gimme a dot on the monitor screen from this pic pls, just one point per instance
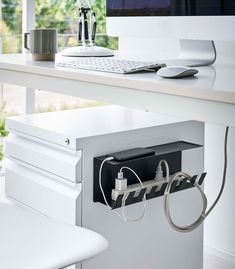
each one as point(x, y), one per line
point(170, 7)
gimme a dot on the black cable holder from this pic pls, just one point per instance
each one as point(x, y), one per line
point(145, 167)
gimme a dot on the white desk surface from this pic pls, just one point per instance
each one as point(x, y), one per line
point(210, 96)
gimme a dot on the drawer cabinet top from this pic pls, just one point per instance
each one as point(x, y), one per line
point(66, 128)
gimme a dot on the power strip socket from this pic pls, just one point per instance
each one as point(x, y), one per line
point(130, 188)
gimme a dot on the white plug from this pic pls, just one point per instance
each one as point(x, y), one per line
point(159, 173)
point(120, 182)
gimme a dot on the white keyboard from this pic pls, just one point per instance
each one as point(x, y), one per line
point(110, 64)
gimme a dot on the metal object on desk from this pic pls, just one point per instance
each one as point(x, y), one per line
point(87, 26)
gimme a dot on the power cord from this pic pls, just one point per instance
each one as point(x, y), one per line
point(100, 181)
point(126, 195)
point(123, 208)
point(204, 214)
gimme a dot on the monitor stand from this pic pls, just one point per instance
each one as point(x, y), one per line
point(195, 53)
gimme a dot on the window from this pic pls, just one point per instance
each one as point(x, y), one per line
point(11, 96)
point(10, 25)
point(63, 15)
point(60, 14)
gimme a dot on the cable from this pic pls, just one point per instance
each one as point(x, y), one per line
point(126, 195)
point(101, 188)
point(224, 172)
point(200, 219)
point(100, 182)
point(123, 215)
point(204, 214)
point(159, 171)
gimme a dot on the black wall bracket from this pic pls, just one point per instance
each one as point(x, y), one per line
point(145, 167)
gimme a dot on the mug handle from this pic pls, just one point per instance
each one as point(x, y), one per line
point(26, 41)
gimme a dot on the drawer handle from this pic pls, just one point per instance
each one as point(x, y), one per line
point(67, 141)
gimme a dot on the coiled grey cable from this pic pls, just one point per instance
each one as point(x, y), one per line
point(204, 214)
point(200, 219)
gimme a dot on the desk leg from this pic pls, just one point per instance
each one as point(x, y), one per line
point(28, 23)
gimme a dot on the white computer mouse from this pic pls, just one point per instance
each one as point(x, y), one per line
point(176, 72)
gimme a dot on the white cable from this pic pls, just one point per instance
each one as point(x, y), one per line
point(100, 182)
point(101, 188)
point(126, 195)
point(166, 167)
point(123, 215)
point(204, 214)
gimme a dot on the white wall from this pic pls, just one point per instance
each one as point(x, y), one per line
point(220, 225)
point(146, 48)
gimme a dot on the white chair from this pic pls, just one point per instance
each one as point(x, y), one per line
point(32, 241)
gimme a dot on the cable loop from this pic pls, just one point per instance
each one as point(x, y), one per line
point(204, 214)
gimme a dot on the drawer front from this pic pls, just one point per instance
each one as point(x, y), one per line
point(49, 197)
point(62, 163)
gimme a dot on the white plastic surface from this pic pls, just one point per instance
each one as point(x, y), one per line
point(83, 123)
point(150, 243)
point(212, 90)
point(215, 83)
point(187, 27)
point(61, 163)
point(30, 241)
point(83, 51)
point(176, 72)
point(43, 194)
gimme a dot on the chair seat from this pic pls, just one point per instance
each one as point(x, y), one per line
point(31, 241)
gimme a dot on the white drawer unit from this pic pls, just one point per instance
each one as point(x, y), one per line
point(49, 168)
point(46, 157)
point(43, 194)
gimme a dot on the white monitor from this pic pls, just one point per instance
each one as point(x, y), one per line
point(195, 22)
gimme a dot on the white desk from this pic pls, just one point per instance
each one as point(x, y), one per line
point(209, 97)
